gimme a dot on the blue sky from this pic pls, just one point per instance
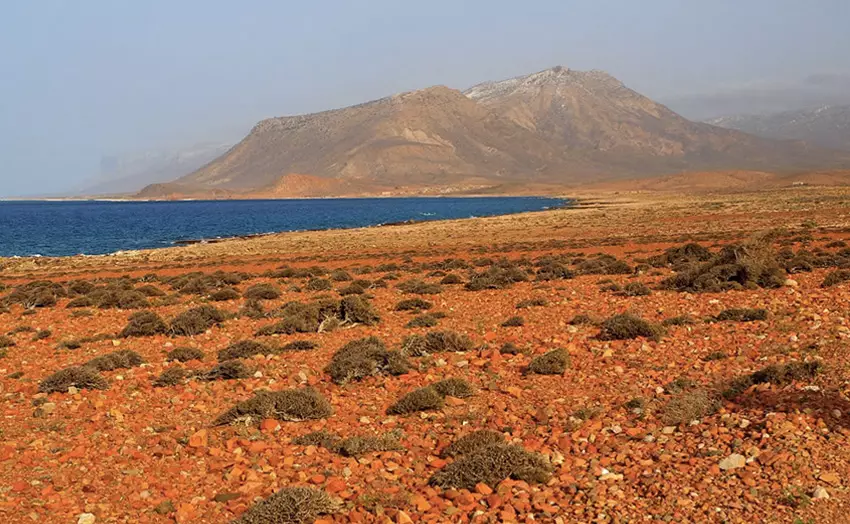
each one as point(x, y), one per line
point(84, 79)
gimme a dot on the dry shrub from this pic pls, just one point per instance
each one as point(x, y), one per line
point(170, 377)
point(688, 405)
point(352, 289)
point(419, 287)
point(79, 302)
point(491, 464)
point(6, 341)
point(422, 321)
point(318, 284)
point(554, 362)
point(320, 438)
point(244, 349)
point(121, 359)
point(299, 345)
point(741, 315)
point(414, 346)
point(352, 446)
point(472, 442)
point(635, 289)
point(224, 294)
point(496, 278)
point(340, 275)
point(451, 279)
point(290, 405)
point(119, 299)
point(144, 324)
point(253, 309)
point(357, 310)
point(196, 320)
point(78, 377)
point(36, 294)
point(514, 321)
point(682, 320)
point(149, 290)
point(227, 370)
point(604, 264)
point(41, 334)
point(413, 304)
point(363, 358)
point(293, 505)
point(447, 341)
point(532, 302)
point(836, 277)
point(679, 255)
point(626, 326)
point(262, 292)
point(185, 354)
point(554, 271)
point(509, 348)
point(784, 374)
point(422, 399)
point(454, 387)
point(80, 287)
point(321, 315)
point(583, 320)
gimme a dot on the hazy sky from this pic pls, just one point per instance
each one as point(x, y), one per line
point(79, 79)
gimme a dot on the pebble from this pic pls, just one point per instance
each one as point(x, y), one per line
point(791, 283)
point(86, 518)
point(820, 493)
point(733, 461)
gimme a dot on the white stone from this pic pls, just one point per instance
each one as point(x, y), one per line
point(820, 493)
point(733, 461)
point(86, 518)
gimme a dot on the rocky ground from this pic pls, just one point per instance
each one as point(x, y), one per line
point(702, 413)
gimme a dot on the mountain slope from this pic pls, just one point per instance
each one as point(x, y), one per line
point(827, 126)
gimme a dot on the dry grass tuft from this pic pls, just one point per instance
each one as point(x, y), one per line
point(171, 377)
point(472, 442)
point(227, 370)
point(626, 326)
point(413, 304)
point(290, 405)
point(78, 377)
point(185, 354)
point(122, 359)
point(491, 465)
point(554, 362)
point(454, 387)
point(244, 349)
point(688, 405)
point(363, 358)
point(144, 324)
point(262, 292)
point(422, 399)
point(196, 320)
point(293, 505)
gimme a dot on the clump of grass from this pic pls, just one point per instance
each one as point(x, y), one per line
point(678, 255)
point(419, 287)
point(340, 275)
point(354, 288)
point(715, 355)
point(689, 405)
point(422, 399)
point(362, 358)
point(299, 345)
point(554, 271)
point(227, 370)
point(514, 321)
point(170, 377)
point(244, 349)
point(42, 334)
point(357, 310)
point(447, 341)
point(491, 464)
point(422, 321)
point(784, 374)
point(682, 320)
point(78, 377)
point(604, 264)
point(451, 279)
point(253, 309)
point(149, 290)
point(79, 302)
point(454, 387)
point(185, 354)
point(413, 304)
point(351, 446)
point(626, 326)
point(635, 289)
point(532, 302)
point(119, 299)
point(296, 505)
point(121, 359)
point(144, 324)
point(36, 294)
point(472, 442)
point(290, 405)
point(741, 315)
point(496, 278)
point(509, 348)
point(318, 284)
point(583, 320)
point(196, 320)
point(6, 341)
point(836, 277)
point(554, 362)
point(262, 292)
point(224, 294)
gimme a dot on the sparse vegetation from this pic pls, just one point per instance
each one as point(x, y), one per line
point(290, 405)
point(554, 362)
point(741, 315)
point(514, 321)
point(170, 377)
point(224, 294)
point(688, 405)
point(413, 304)
point(496, 278)
point(419, 287)
point(532, 302)
point(244, 349)
point(422, 399)
point(422, 321)
point(227, 370)
point(78, 377)
point(491, 464)
point(627, 326)
point(362, 358)
point(196, 320)
point(185, 354)
point(454, 387)
point(836, 277)
point(296, 505)
point(121, 359)
point(144, 324)
point(262, 292)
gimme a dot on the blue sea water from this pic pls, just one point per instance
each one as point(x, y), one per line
point(51, 228)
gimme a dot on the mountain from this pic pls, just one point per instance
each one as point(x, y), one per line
point(827, 126)
point(557, 126)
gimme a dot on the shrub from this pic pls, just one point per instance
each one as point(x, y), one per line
point(836, 277)
point(79, 302)
point(6, 342)
point(352, 289)
point(243, 349)
point(422, 321)
point(496, 278)
point(121, 299)
point(298, 317)
point(362, 358)
point(583, 320)
point(454, 387)
point(319, 284)
point(682, 320)
point(224, 294)
point(509, 348)
point(422, 399)
point(532, 302)
point(554, 362)
point(515, 321)
point(419, 287)
point(715, 355)
point(784, 374)
point(636, 289)
point(626, 326)
point(290, 405)
point(355, 309)
point(78, 377)
point(689, 405)
point(741, 315)
point(299, 345)
point(296, 505)
point(41, 334)
point(80, 287)
point(491, 465)
point(414, 346)
point(451, 279)
point(121, 359)
point(170, 377)
point(340, 275)
point(473, 442)
point(150, 291)
point(413, 304)
point(144, 324)
point(262, 292)
point(253, 309)
point(447, 341)
point(196, 320)
point(227, 370)
point(351, 446)
point(554, 271)
point(36, 294)
point(679, 255)
point(185, 354)
point(604, 264)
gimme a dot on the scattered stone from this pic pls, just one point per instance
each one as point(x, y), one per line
point(733, 461)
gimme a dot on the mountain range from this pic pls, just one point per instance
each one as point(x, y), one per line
point(557, 126)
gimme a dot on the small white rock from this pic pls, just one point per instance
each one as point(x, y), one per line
point(86, 518)
point(820, 493)
point(258, 374)
point(733, 461)
point(791, 283)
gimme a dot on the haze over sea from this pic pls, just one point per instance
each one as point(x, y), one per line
point(53, 228)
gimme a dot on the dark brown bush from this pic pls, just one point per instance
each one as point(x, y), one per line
point(293, 505)
point(583, 320)
point(352, 289)
point(414, 346)
point(352, 446)
point(6, 342)
point(682, 320)
point(170, 377)
point(496, 278)
point(299, 345)
point(357, 310)
point(144, 324)
point(253, 309)
point(41, 334)
point(836, 277)
point(627, 326)
point(509, 348)
point(78, 377)
point(262, 292)
point(473, 442)
point(318, 284)
point(36, 294)
point(741, 315)
point(515, 321)
point(532, 302)
point(121, 359)
point(363, 358)
point(320, 315)
point(491, 465)
point(679, 255)
point(689, 405)
point(224, 294)
point(413, 304)
point(149, 290)
point(320, 438)
point(419, 287)
point(451, 279)
point(227, 370)
point(785, 374)
point(422, 399)
point(554, 362)
point(70, 344)
point(422, 321)
point(120, 299)
point(79, 302)
point(454, 387)
point(291, 405)
point(185, 354)
point(604, 264)
point(554, 271)
point(196, 320)
point(80, 287)
point(340, 275)
point(447, 341)
point(244, 349)
point(636, 289)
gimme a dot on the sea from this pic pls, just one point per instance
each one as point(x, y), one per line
point(64, 228)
